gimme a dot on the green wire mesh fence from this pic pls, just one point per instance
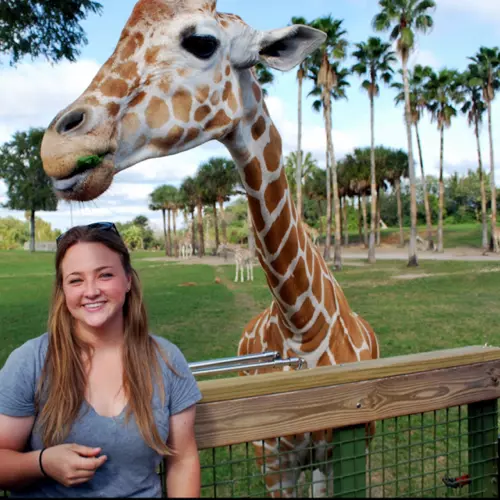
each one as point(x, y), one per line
point(444, 453)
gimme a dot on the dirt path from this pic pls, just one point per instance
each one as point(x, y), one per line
point(384, 252)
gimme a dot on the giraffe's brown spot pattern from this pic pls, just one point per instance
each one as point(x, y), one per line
point(302, 237)
point(258, 128)
point(275, 192)
point(219, 120)
point(218, 75)
point(92, 100)
point(157, 113)
point(164, 84)
point(201, 113)
point(191, 135)
point(182, 72)
point(173, 137)
point(228, 70)
point(129, 48)
point(182, 103)
point(113, 109)
point(232, 102)
point(253, 174)
point(288, 253)
point(224, 23)
point(256, 92)
point(304, 314)
point(227, 89)
point(140, 142)
point(137, 99)
point(258, 221)
point(271, 279)
point(202, 93)
point(131, 123)
point(151, 56)
point(316, 282)
point(317, 331)
point(215, 98)
point(274, 237)
point(272, 152)
point(113, 87)
point(296, 285)
point(128, 70)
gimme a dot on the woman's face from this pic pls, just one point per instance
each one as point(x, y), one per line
point(95, 286)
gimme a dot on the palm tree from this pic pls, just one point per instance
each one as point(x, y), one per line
point(291, 168)
point(188, 196)
point(486, 72)
point(374, 61)
point(315, 188)
point(161, 199)
point(301, 74)
point(330, 82)
point(441, 94)
point(474, 107)
point(403, 17)
point(417, 81)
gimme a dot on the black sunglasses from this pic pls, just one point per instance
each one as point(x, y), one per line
point(104, 226)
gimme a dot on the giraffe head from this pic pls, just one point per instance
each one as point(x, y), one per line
point(173, 82)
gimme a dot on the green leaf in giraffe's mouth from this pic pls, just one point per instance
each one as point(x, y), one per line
point(89, 161)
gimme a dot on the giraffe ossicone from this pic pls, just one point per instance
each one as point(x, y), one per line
point(180, 76)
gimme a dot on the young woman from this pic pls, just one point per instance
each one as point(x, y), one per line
point(93, 406)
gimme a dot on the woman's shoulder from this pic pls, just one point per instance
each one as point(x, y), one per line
point(33, 349)
point(172, 354)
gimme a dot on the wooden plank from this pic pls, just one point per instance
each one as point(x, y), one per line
point(249, 419)
point(279, 381)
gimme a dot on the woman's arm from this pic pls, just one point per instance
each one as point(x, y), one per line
point(183, 465)
point(17, 468)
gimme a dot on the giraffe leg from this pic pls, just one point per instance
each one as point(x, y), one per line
point(279, 462)
point(236, 277)
point(242, 271)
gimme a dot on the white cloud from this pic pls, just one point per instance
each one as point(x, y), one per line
point(488, 10)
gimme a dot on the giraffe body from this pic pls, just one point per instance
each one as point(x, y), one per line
point(181, 75)
point(242, 257)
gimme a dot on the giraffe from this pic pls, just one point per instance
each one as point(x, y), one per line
point(312, 232)
point(180, 76)
point(186, 245)
point(243, 258)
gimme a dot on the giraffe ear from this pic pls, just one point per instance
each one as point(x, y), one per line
point(285, 48)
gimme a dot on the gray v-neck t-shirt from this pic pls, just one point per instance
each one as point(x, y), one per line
point(130, 470)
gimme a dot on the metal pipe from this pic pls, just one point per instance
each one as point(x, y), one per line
point(247, 358)
point(298, 362)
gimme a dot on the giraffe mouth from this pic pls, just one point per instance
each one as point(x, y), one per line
point(85, 181)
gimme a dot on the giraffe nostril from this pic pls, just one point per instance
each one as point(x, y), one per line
point(70, 122)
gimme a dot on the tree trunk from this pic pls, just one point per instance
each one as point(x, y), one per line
point(428, 216)
point(337, 257)
point(251, 233)
point(298, 174)
point(365, 219)
point(193, 230)
point(492, 181)
point(165, 239)
point(176, 245)
point(201, 236)
point(484, 217)
point(169, 233)
point(397, 188)
point(412, 247)
point(223, 220)
point(345, 214)
point(216, 224)
point(378, 216)
point(440, 247)
point(328, 240)
point(360, 220)
point(32, 231)
point(373, 183)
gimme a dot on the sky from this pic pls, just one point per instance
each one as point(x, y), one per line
point(34, 91)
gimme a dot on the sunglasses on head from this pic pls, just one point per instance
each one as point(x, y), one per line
point(104, 226)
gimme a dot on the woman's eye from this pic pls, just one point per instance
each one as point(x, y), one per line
point(106, 275)
point(201, 46)
point(74, 281)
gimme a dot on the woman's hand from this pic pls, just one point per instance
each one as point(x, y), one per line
point(72, 464)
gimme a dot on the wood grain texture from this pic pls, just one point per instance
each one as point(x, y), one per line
point(260, 417)
point(279, 382)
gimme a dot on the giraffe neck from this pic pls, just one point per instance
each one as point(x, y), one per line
point(304, 289)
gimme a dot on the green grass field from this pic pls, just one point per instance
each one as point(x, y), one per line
point(436, 306)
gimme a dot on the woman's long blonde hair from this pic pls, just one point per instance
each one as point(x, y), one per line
point(61, 389)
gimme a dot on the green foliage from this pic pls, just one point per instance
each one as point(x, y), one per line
point(48, 28)
point(90, 161)
point(14, 233)
point(138, 234)
point(28, 187)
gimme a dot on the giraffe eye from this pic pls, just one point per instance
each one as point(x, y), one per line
point(201, 46)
